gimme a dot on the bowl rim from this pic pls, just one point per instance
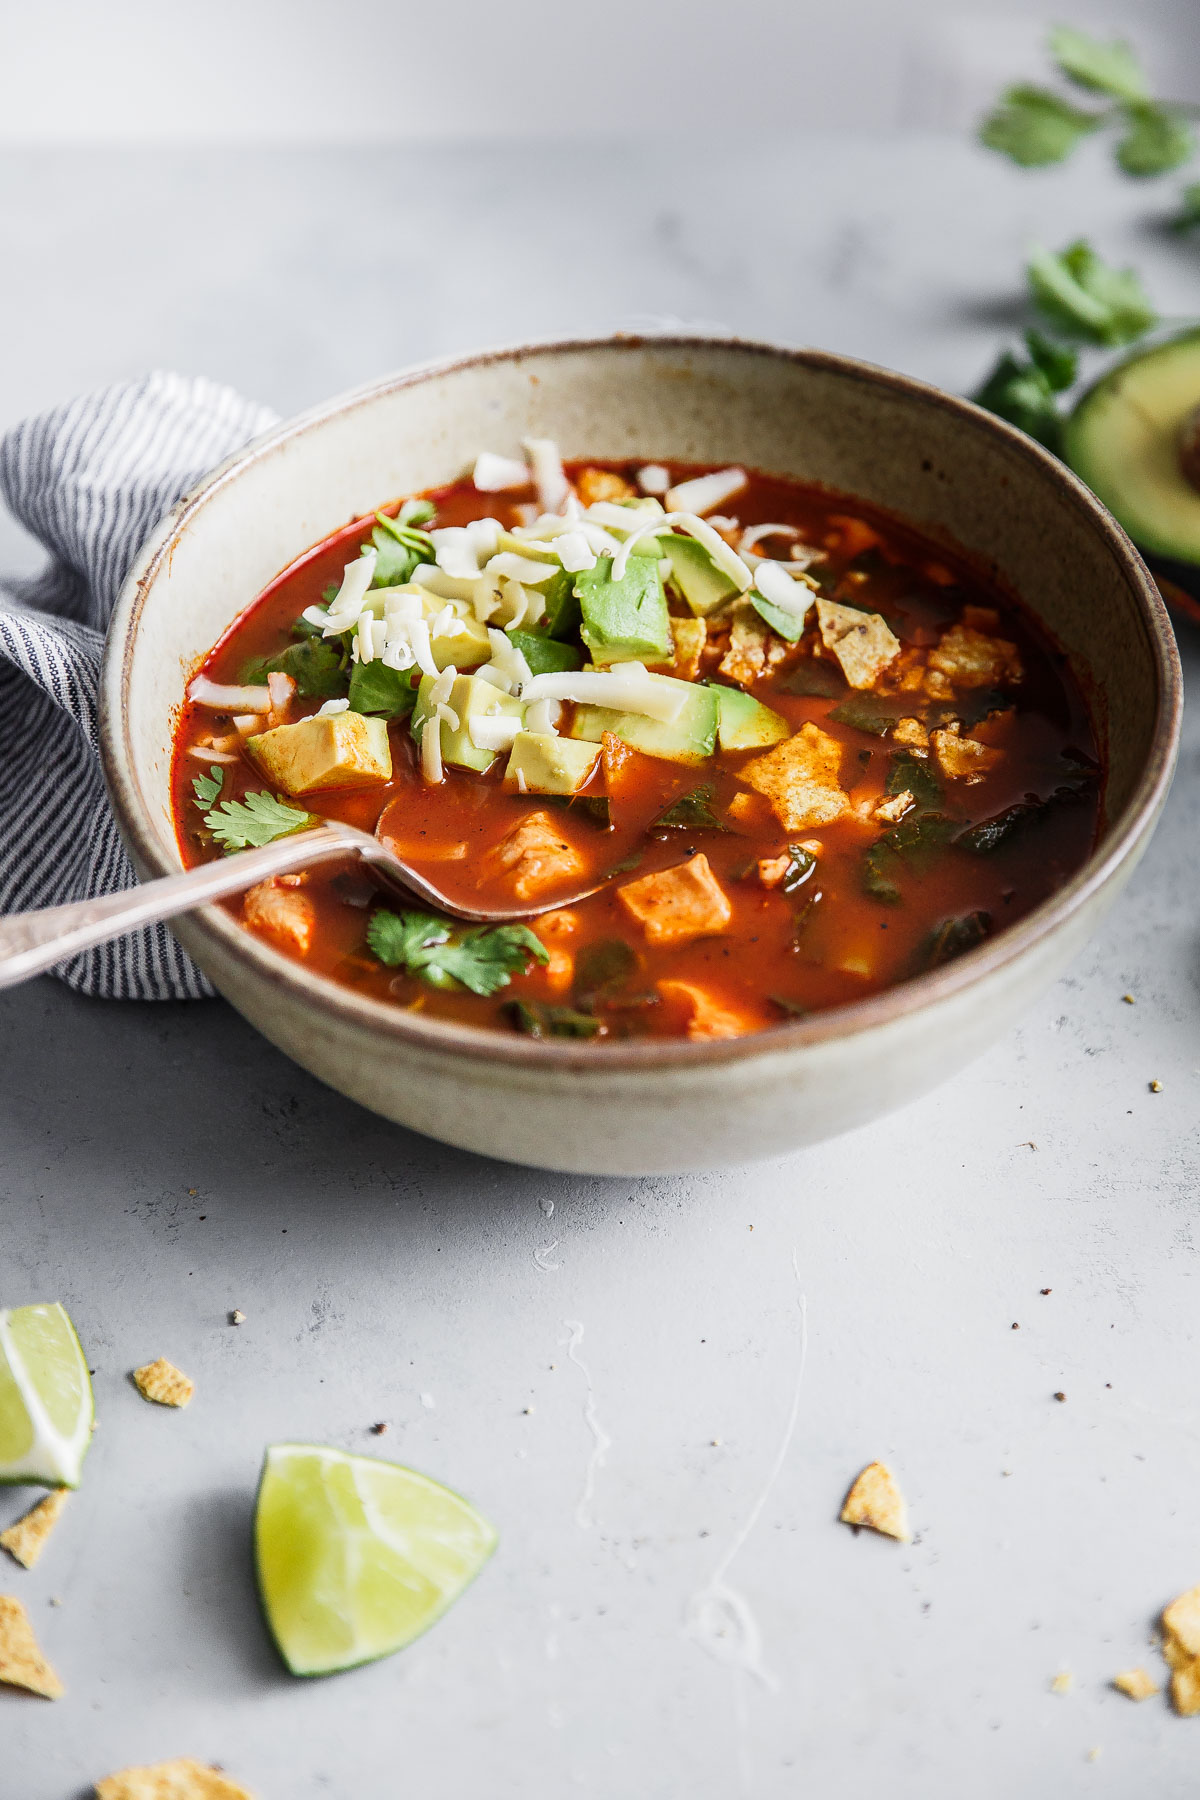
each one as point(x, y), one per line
point(482, 1043)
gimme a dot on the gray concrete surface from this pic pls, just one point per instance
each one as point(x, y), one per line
point(162, 1165)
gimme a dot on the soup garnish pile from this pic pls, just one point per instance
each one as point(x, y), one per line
point(809, 753)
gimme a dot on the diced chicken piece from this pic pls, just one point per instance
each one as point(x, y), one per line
point(537, 856)
point(801, 779)
point(853, 535)
point(746, 657)
point(554, 928)
point(972, 659)
point(911, 733)
point(689, 637)
point(708, 1017)
point(962, 758)
point(282, 913)
point(601, 484)
point(772, 869)
point(863, 643)
point(676, 905)
point(892, 810)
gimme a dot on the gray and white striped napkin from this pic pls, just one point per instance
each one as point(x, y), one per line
point(90, 480)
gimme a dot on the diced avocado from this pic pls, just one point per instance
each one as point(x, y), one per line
point(626, 620)
point(545, 655)
point(744, 722)
point(690, 737)
point(537, 551)
point(470, 699)
point(376, 688)
point(466, 645)
point(544, 764)
point(330, 750)
point(1125, 438)
point(703, 585)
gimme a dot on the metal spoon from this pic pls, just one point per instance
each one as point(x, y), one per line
point(32, 942)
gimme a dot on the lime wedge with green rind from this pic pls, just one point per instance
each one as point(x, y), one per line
point(45, 1397)
point(357, 1557)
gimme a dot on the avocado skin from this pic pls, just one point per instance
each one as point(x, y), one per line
point(1122, 438)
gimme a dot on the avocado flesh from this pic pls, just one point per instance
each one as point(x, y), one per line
point(625, 620)
point(542, 763)
point(691, 737)
point(744, 723)
point(328, 750)
point(703, 585)
point(471, 699)
point(1124, 438)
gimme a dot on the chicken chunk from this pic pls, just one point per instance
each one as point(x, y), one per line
point(962, 758)
point(537, 856)
point(801, 779)
point(863, 642)
point(278, 911)
point(676, 905)
point(971, 659)
point(601, 484)
point(708, 1017)
point(554, 928)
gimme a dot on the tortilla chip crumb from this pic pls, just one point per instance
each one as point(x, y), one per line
point(1062, 1682)
point(181, 1779)
point(28, 1537)
point(21, 1662)
point(1181, 1629)
point(876, 1502)
point(163, 1383)
point(1136, 1683)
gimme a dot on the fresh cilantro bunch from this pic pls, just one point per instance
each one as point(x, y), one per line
point(483, 958)
point(1037, 126)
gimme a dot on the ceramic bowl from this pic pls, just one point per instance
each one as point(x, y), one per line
point(960, 475)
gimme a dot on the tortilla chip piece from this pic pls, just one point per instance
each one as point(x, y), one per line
point(163, 1383)
point(801, 779)
point(962, 758)
point(1181, 1629)
point(28, 1537)
point(689, 637)
point(181, 1779)
point(1185, 1690)
point(972, 659)
point(1136, 1683)
point(21, 1662)
point(746, 656)
point(863, 642)
point(1062, 1682)
point(876, 1502)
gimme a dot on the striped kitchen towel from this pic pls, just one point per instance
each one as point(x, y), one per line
point(90, 480)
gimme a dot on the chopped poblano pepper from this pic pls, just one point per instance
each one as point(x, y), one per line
point(691, 812)
point(552, 1021)
point(952, 937)
point(912, 842)
point(908, 775)
point(815, 680)
point(801, 863)
point(876, 713)
point(603, 968)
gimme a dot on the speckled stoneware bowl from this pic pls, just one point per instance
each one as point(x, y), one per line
point(957, 473)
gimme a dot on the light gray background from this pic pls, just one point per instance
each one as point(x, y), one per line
point(161, 1165)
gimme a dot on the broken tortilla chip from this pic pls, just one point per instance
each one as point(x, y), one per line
point(1181, 1648)
point(1062, 1682)
point(21, 1662)
point(163, 1383)
point(181, 1779)
point(1136, 1683)
point(1185, 1690)
point(28, 1537)
point(876, 1502)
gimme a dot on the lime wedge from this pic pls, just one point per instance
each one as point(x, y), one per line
point(45, 1397)
point(356, 1557)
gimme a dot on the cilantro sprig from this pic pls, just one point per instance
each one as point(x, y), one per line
point(482, 958)
point(1037, 126)
point(257, 819)
point(207, 788)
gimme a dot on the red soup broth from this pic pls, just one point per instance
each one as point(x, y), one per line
point(883, 900)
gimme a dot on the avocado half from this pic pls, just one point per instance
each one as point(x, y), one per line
point(1133, 439)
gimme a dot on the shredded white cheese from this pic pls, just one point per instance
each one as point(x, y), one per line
point(783, 590)
point(431, 731)
point(331, 709)
point(654, 479)
point(528, 570)
point(727, 560)
point(549, 476)
point(220, 698)
point(493, 731)
point(508, 669)
point(704, 493)
point(497, 474)
point(543, 717)
point(628, 688)
point(754, 534)
point(347, 604)
point(574, 551)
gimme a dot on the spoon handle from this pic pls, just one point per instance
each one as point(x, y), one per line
point(32, 942)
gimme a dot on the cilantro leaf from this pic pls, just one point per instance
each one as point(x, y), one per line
point(603, 968)
point(1188, 216)
point(315, 667)
point(1110, 68)
point(1084, 297)
point(1059, 363)
point(1036, 127)
point(257, 819)
point(1157, 138)
point(376, 688)
point(407, 535)
point(416, 512)
point(207, 788)
point(691, 812)
point(1019, 392)
point(482, 959)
